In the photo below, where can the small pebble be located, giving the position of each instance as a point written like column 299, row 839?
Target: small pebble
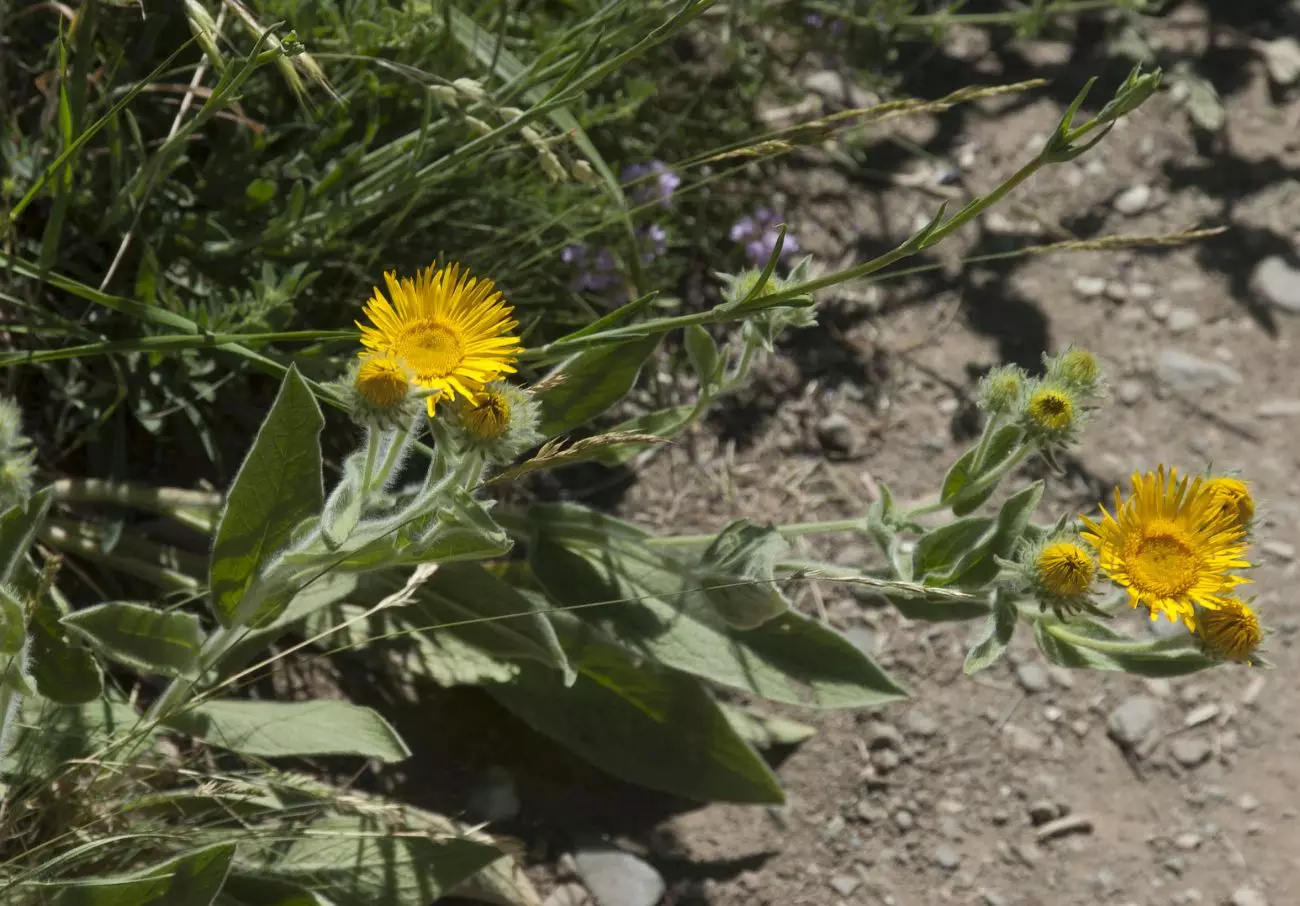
column 1161, row 310
column 1133, row 200
column 1248, row 896
column 1089, row 287
column 1281, row 408
column 1190, row 751
column 845, row 885
column 1278, row 282
column 920, row 723
column 1188, row 842
column 1033, row 678
column 1279, row 550
column 1247, row 802
column 1130, row 392
column 947, row 857
column 1182, row 320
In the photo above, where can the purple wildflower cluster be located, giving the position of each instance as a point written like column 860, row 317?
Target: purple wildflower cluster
column 815, row 20
column 599, row 271
column 759, row 233
column 658, row 189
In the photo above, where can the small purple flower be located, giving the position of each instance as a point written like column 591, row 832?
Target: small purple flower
column 645, row 189
column 654, row 242
column 759, row 234
column 574, row 254
column 814, row 20
column 600, row 276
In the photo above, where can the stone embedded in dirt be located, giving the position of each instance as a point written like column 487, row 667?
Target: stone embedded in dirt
column 1033, row 678
column 844, row 885
column 1190, row 751
column 1192, row 374
column 838, row 88
column 1248, row 802
column 903, row 820
column 1182, row 320
column 1133, row 721
column 1042, row 811
column 1278, row 409
column 1089, row 287
column 570, row 893
column 617, row 878
column 1278, row 282
column 921, row 724
column 1133, row 200
column 839, row 436
column 1279, row 550
column 947, row 857
column 885, row 760
column 883, row 735
column 1188, row 842
column 1248, row 896
column 1130, row 392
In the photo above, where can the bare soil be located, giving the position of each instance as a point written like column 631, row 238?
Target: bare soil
column 1211, row 812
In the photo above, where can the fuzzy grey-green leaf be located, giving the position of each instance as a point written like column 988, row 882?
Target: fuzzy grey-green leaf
column 278, row 486
column 593, row 381
column 162, row 642
column 18, row 527
column 995, row 637
column 284, row 729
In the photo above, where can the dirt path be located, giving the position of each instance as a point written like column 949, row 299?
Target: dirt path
column 951, row 799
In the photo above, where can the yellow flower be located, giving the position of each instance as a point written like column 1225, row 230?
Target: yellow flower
column 382, row 382
column 1232, row 631
column 1232, row 497
column 1169, row 547
column 452, row 330
column 486, row 416
column 1064, row 569
column 1051, row 410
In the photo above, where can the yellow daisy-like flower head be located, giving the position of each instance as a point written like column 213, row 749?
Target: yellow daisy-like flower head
column 1169, row 546
column 1050, row 409
column 452, row 330
column 382, row 382
column 1231, row 631
column 487, row 416
column 1233, row 498
column 1064, row 569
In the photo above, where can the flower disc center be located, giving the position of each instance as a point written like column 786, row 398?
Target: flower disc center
column 432, row 349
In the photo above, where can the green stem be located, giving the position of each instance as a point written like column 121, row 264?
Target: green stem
column 372, row 453
column 390, row 460
column 168, row 343
column 1103, row 645
column 155, row 500
column 173, row 697
column 982, row 451
column 10, row 707
column 794, row 530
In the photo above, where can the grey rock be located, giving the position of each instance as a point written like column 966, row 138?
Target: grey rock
column 1042, row 811
column 1182, row 320
column 1161, row 310
column 1278, row 282
column 838, row 88
column 1190, row 751
column 617, row 878
column 885, row 760
column 921, row 724
column 1188, row 842
column 992, row 898
column 1033, row 678
column 1192, row 374
column 838, row 435
column 1089, row 287
column 947, row 857
column 844, row 885
column 903, row 820
column 1248, row 802
column 1130, row 392
column 884, row 736
column 1134, row 720
column 1279, row 550
column 1248, row 896
column 1133, row 200
column 1278, row 409
column 570, row 893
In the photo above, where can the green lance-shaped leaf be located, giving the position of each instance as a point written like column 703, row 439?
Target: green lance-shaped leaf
column 356, row 861
column 1082, row 642
column 640, row 722
column 738, row 574
column 278, row 486
column 652, row 603
column 702, row 350
column 283, row 729
column 593, row 381
column 191, row 879
column 960, row 489
column 18, row 527
column 941, row 549
column 978, row 565
column 63, row 670
column 163, row 642
column 996, row 636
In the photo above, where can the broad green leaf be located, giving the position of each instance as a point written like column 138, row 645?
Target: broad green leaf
column 356, row 861
column 956, row 489
column 241, row 890
column 941, row 549
column 63, row 670
column 593, row 381
column 1065, row 644
column 191, row 879
column 13, row 624
column 283, row 729
column 995, row 638
column 278, row 486
column 703, row 352
column 978, row 566
column 650, row 601
column 163, row 642
column 51, row 735
column 487, row 613
column 638, row 721
column 326, row 590
column 18, row 527
column 738, row 574
column 765, row 732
